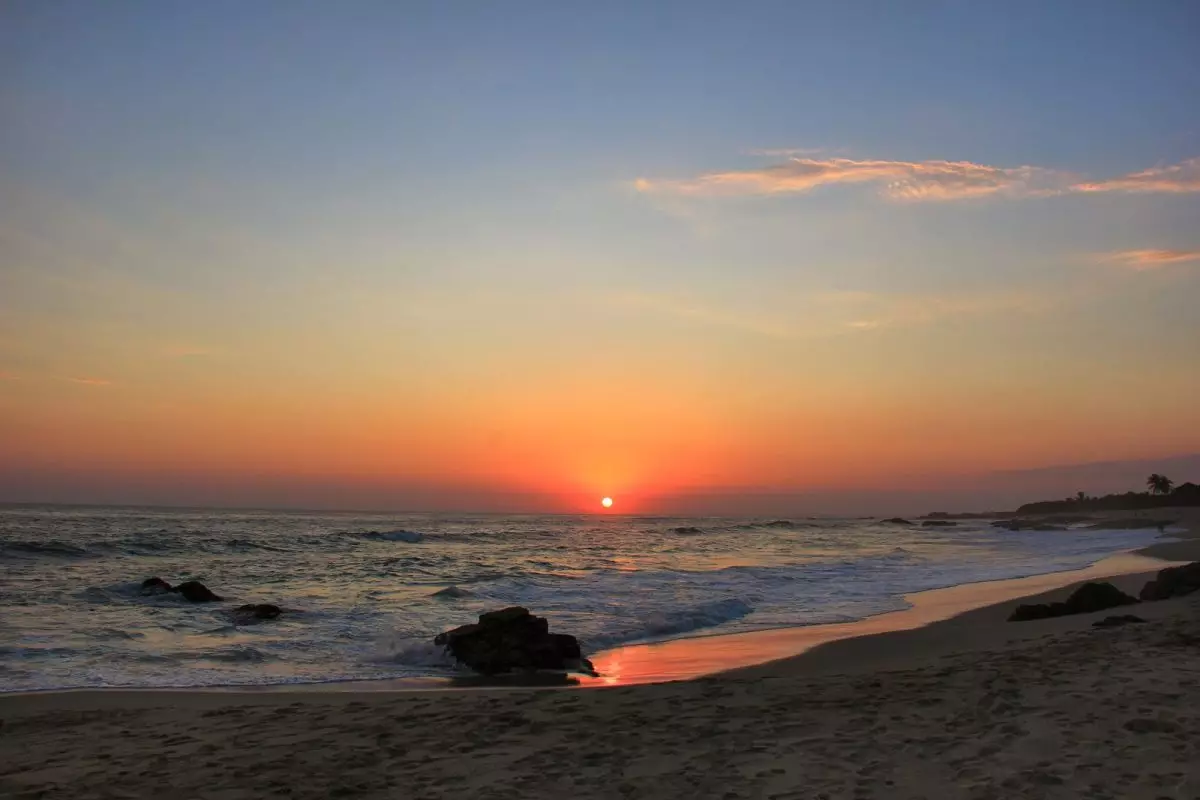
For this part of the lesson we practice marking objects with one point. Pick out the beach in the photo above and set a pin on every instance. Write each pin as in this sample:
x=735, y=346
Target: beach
x=970, y=706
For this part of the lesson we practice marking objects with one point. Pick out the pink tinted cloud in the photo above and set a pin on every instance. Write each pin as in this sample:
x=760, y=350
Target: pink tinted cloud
x=1178, y=178
x=1150, y=259
x=898, y=180
x=933, y=180
x=8, y=376
x=91, y=381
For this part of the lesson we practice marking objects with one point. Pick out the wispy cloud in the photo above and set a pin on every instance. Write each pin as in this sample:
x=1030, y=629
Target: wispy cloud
x=916, y=180
x=1148, y=259
x=8, y=376
x=898, y=180
x=1178, y=178
x=91, y=381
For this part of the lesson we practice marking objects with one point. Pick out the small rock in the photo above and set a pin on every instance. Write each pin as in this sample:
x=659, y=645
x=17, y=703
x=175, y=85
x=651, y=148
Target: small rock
x=156, y=586
x=197, y=592
x=256, y=611
x=895, y=521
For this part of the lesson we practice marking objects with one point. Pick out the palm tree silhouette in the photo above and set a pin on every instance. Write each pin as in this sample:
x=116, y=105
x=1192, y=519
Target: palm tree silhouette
x=1159, y=484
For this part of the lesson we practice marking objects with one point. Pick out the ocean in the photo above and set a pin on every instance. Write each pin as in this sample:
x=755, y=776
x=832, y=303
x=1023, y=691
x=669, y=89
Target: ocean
x=364, y=594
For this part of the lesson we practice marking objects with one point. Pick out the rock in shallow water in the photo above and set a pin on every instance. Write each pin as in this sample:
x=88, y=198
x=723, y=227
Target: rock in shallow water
x=252, y=612
x=197, y=592
x=513, y=640
x=156, y=586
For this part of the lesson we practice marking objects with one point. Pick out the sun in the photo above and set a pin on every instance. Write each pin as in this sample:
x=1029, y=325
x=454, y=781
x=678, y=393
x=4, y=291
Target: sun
x=606, y=502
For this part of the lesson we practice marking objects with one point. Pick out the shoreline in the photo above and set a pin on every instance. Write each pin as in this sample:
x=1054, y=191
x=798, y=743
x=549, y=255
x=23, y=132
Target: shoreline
x=967, y=705
x=704, y=656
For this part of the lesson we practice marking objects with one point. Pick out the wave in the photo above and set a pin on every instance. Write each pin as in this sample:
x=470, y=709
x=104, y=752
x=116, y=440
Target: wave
x=675, y=622
x=238, y=654
x=393, y=536
x=45, y=547
x=413, y=652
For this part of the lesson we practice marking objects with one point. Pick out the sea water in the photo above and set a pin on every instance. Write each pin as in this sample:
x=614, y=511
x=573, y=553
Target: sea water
x=364, y=594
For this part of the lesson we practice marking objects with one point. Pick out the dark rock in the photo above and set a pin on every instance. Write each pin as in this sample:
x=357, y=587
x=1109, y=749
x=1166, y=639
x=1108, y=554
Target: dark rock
x=510, y=640
x=1097, y=596
x=938, y=523
x=156, y=586
x=450, y=593
x=688, y=529
x=1086, y=599
x=895, y=521
x=1113, y=622
x=779, y=523
x=256, y=611
x=1173, y=582
x=196, y=592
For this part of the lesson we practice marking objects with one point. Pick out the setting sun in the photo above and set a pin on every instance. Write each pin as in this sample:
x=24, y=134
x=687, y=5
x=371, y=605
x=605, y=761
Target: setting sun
x=606, y=502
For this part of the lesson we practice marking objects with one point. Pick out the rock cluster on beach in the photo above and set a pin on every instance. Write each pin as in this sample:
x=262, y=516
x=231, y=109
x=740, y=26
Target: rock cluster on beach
x=513, y=640
x=1084, y=600
x=1168, y=583
x=1173, y=582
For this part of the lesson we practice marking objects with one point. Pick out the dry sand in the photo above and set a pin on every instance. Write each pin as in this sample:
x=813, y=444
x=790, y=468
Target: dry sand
x=969, y=707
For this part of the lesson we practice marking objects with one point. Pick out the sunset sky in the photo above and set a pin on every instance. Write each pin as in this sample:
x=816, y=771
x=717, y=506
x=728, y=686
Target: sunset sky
x=520, y=256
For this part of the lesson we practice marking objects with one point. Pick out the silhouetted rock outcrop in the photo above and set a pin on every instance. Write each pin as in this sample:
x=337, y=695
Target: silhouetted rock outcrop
x=687, y=529
x=1173, y=582
x=513, y=640
x=197, y=592
x=1086, y=599
x=938, y=523
x=895, y=521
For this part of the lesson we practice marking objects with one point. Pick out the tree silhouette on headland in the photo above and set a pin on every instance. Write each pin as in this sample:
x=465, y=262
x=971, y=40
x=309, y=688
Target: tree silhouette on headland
x=1159, y=484
x=1162, y=493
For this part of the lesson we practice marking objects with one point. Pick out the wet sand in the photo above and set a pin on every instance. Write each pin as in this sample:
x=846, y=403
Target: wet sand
x=970, y=706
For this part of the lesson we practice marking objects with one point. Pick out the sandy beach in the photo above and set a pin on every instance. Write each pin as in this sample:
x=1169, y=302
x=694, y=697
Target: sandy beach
x=933, y=703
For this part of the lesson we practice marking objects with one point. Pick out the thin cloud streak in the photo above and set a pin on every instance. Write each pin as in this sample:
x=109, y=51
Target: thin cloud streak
x=917, y=181
x=1180, y=178
x=91, y=381
x=1149, y=259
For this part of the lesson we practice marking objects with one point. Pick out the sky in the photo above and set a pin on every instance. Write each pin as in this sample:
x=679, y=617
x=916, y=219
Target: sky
x=694, y=256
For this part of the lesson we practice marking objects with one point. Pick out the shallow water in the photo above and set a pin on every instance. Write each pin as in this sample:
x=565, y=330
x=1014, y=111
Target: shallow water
x=364, y=594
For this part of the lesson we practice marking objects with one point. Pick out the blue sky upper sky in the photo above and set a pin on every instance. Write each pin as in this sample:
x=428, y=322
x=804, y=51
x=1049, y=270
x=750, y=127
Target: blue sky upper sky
x=899, y=232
